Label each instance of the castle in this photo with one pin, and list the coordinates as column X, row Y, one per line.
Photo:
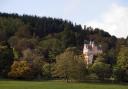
column 90, row 50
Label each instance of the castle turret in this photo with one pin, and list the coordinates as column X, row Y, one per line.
column 93, row 44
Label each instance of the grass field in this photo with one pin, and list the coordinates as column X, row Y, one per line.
column 4, row 84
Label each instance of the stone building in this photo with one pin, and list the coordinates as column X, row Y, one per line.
column 90, row 50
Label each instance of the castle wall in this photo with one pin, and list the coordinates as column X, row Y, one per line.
column 89, row 51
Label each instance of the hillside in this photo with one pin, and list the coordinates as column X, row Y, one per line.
column 31, row 38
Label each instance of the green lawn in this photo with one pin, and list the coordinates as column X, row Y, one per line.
column 4, row 84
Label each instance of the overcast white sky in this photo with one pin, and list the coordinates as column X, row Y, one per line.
column 109, row 15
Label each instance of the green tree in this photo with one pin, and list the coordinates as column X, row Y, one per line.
column 119, row 73
column 9, row 26
column 37, row 65
column 51, row 47
column 35, row 60
column 23, row 31
column 121, row 69
column 101, row 69
column 6, row 59
column 46, row 71
column 68, row 37
column 70, row 65
column 122, row 59
column 111, row 57
column 3, row 35
column 100, row 58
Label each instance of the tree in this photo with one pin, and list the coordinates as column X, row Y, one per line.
column 68, row 37
column 6, row 59
column 3, row 35
column 51, row 36
column 100, row 58
column 23, row 31
column 46, row 71
column 119, row 43
column 101, row 69
column 37, row 65
column 35, row 60
column 21, row 70
column 119, row 73
column 122, row 59
column 52, row 47
column 29, row 65
column 111, row 57
column 8, row 26
column 70, row 65
column 121, row 69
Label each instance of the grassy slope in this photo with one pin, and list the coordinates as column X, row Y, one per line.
column 57, row 85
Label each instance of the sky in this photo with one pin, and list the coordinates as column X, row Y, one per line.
column 109, row 15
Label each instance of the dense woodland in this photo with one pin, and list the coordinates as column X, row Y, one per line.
column 44, row 48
